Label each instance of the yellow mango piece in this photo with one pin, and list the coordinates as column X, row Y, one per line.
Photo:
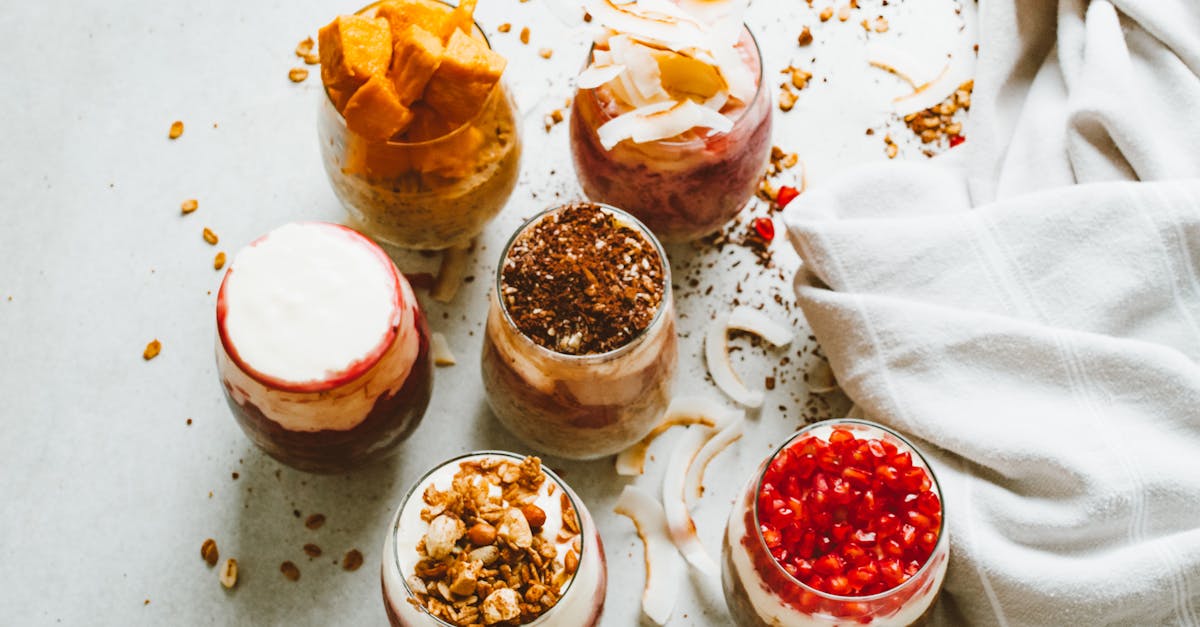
column 684, row 75
column 462, row 83
column 432, row 16
column 352, row 49
column 461, row 18
column 417, row 55
column 375, row 111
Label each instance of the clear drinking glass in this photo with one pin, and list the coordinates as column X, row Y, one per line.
column 579, row 406
column 427, row 195
column 683, row 187
column 581, row 602
column 759, row 591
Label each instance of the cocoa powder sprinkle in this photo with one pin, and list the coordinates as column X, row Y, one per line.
column 582, row 282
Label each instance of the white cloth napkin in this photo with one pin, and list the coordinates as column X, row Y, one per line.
column 1028, row 307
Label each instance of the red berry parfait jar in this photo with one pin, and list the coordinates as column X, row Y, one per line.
column 670, row 120
column 492, row 538
column 842, row 525
column 322, row 349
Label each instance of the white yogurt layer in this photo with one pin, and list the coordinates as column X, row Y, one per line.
column 400, row 555
column 307, row 301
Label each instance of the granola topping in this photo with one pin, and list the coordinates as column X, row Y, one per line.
column 499, row 546
column 582, row 282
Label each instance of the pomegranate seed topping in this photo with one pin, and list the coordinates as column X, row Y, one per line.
column 848, row 516
column 954, row 141
column 765, row 228
column 788, row 193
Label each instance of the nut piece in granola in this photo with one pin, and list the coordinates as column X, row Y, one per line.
column 229, row 573
column 443, row 533
column 209, row 552
column 501, row 605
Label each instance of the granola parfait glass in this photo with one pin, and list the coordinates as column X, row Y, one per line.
column 429, row 171
column 842, row 525
column 322, row 349
column 678, row 139
column 580, row 349
column 493, row 538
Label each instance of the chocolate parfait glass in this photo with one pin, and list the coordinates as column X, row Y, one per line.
column 580, row 349
column 418, row 133
column 679, row 140
column 493, row 538
column 842, row 525
column 322, row 349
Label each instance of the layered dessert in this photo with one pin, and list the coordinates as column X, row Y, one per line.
column 493, row 539
column 670, row 121
column 322, row 348
column 580, row 350
column 418, row 133
column 842, row 526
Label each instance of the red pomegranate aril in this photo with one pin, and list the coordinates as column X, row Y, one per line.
column 929, row 504
column 765, row 228
column 787, row 194
column 863, row 576
column 902, row 461
column 829, row 461
column 956, row 140
column 808, row 544
column 863, row 537
column 876, row 449
column 918, row 520
column 908, row 536
column 770, row 536
column 840, row 436
column 887, row 525
column 927, row 541
column 889, row 476
column 912, row 568
column 890, row 571
column 892, row 548
column 803, row 568
column 857, row 476
column 805, row 467
column 840, row 532
column 838, row 584
column 842, row 492
column 855, row 555
column 829, row 564
column 915, row 479
column 868, row 505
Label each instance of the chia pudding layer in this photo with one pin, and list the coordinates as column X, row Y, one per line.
column 580, row 349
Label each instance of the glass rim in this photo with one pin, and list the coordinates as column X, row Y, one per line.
column 562, row 485
column 461, row 128
column 741, row 115
column 665, row 304
column 827, row 595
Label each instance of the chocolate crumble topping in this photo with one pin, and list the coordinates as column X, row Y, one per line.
column 581, row 282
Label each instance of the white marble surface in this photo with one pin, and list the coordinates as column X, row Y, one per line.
column 108, row 494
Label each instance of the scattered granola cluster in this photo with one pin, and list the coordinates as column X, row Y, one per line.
column 483, row 560
column 938, row 121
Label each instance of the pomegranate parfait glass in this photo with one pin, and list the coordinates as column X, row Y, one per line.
column 580, row 351
column 670, row 120
column 493, row 538
column 322, row 348
column 842, row 525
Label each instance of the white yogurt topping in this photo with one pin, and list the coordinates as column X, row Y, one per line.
column 308, row 300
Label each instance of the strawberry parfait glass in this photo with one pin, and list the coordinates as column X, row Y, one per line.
column 842, row 525
column 322, row 349
column 493, row 538
column 670, row 120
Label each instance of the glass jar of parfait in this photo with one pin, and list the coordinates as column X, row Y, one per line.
column 670, row 120
column 419, row 134
column 322, row 348
column 842, row 525
column 580, row 350
column 493, row 538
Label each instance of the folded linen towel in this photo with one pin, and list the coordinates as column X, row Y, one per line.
column 1028, row 306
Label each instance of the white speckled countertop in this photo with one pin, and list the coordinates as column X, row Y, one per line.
column 108, row 493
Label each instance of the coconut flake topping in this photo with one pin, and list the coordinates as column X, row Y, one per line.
column 666, row 63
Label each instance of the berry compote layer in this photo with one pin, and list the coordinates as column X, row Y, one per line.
column 322, row 348
column 843, row 525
